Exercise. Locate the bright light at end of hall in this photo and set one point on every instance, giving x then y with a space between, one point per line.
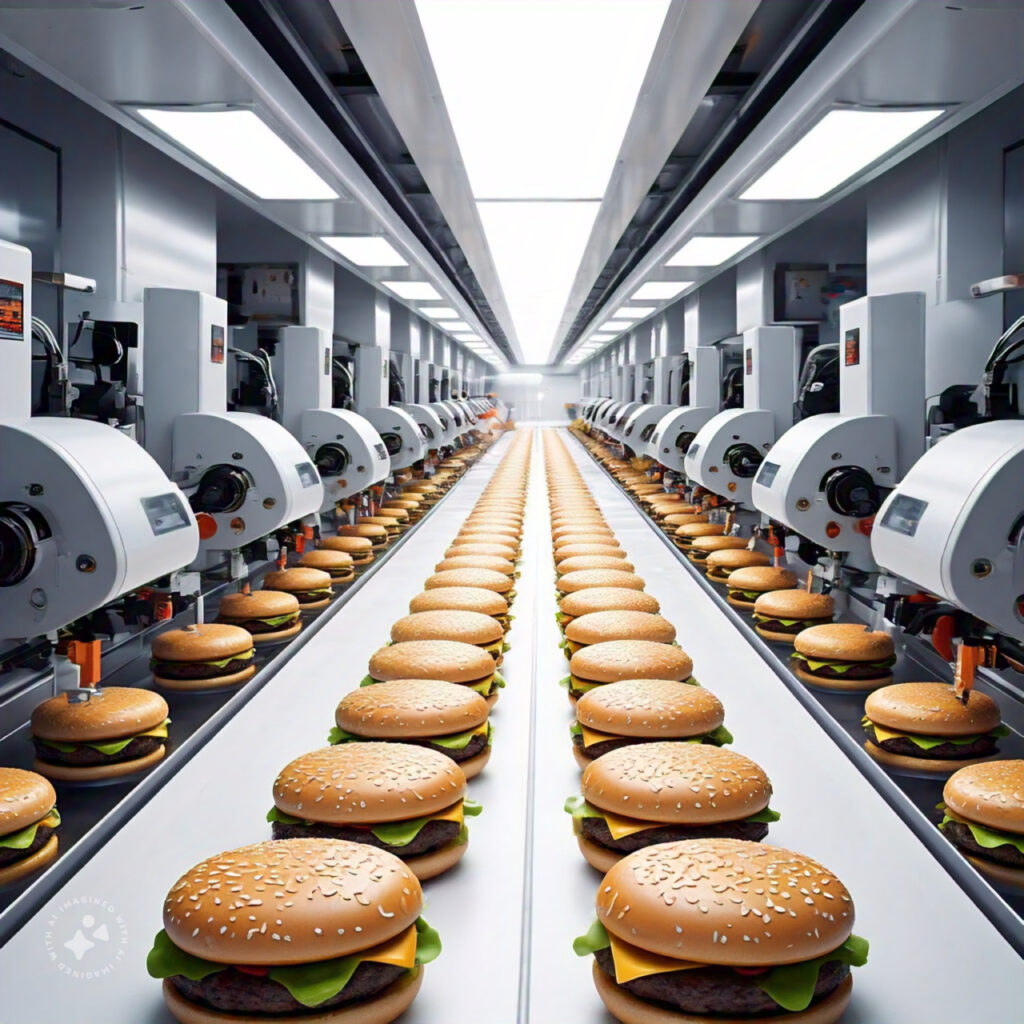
661 291
242 146
840 145
411 290
365 250
709 250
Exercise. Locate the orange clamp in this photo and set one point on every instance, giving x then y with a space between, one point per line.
86 655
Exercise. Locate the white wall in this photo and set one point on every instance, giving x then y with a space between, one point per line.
540 401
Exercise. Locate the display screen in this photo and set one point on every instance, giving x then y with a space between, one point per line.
655 437
165 512
327 362
12 311
382 452
904 514
216 344
691 452
308 475
851 347
749 357
766 477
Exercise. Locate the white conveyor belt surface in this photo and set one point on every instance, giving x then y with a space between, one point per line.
934 956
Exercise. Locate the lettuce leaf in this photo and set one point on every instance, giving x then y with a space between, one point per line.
720 736
579 809
767 816
280 620
107 747
594 939
930 742
338 735
244 656
276 814
428 942
394 833
367 680
471 808
25 837
575 729
165 960
987 838
505 647
841 667
460 740
792 985
566 683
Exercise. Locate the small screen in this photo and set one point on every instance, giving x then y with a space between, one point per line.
851 347
308 475
216 344
382 452
165 512
655 437
12 311
691 452
904 514
766 476
749 361
327 362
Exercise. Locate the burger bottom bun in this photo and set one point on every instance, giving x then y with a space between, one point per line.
627 1008
278 635
843 685
98 772
475 765
747 606
213 683
313 606
430 865
27 865
599 857
1001 873
775 638
492 700
581 758
923 765
392 1002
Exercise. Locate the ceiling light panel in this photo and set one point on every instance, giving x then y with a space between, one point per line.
553 130
440 312
365 250
661 291
839 146
633 312
242 146
412 290
454 326
710 250
617 325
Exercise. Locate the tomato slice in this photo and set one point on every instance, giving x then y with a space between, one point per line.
750 972
258 972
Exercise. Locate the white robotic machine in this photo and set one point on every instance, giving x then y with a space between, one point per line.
672 437
431 429
641 425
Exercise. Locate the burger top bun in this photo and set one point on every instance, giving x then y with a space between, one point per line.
758 577
482 548
362 530
298 580
115 712
695 530
326 559
205 641
494 562
641 902
258 604
413 708
584 578
720 543
678 519
630 659
346 544
580 562
330 897
432 659
794 604
447 624
600 599
671 781
730 559
848 641
469 599
584 548
931 709
651 707
488 579
588 536
620 624
991 794
367 783
25 798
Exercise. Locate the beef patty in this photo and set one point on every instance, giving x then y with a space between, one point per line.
856 669
597 749
198 669
901 745
84 756
962 837
776 626
432 836
9 856
256 626
471 749
596 830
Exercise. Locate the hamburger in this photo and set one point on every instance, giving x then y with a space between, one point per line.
685 535
337 564
298 929
602 543
604 599
376 535
311 587
483 548
205 656
644 711
584 579
843 656
445 717
608 662
445 624
407 504
359 549
659 958
584 548
719 564
671 522
924 727
450 660
364 792
618 624
984 818
493 562
28 824
574 526
464 599
745 585
673 790
485 579
392 527
582 562
701 547
268 616
395 512
781 614
116 731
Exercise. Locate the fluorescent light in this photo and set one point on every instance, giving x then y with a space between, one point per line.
412 289
602 336
633 312
616 325
840 145
440 312
243 147
553 133
365 250
467 336
455 326
537 249
661 290
710 250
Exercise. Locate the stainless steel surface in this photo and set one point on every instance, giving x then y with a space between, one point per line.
924 930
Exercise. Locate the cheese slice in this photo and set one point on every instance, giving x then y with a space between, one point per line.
592 736
483 687
400 951
494 650
574 646
632 962
620 827
885 734
453 813
52 820
581 686
160 731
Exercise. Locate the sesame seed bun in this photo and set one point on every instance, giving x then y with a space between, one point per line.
990 794
298 580
481 531
235 609
762 578
795 604
601 599
25 798
619 624
116 712
677 519
482 548
585 578
605 542
931 709
493 562
584 549
692 531
376 535
575 527
308 885
205 641
580 563
445 624
359 548
337 564
702 547
646 708
467 599
719 564
411 709
634 899
674 782
486 579
848 641
630 659
432 659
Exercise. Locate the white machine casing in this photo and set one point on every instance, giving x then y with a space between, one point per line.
189 431
457 414
619 418
431 429
727 450
116 522
675 431
444 416
400 434
606 417
879 428
954 525
641 425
